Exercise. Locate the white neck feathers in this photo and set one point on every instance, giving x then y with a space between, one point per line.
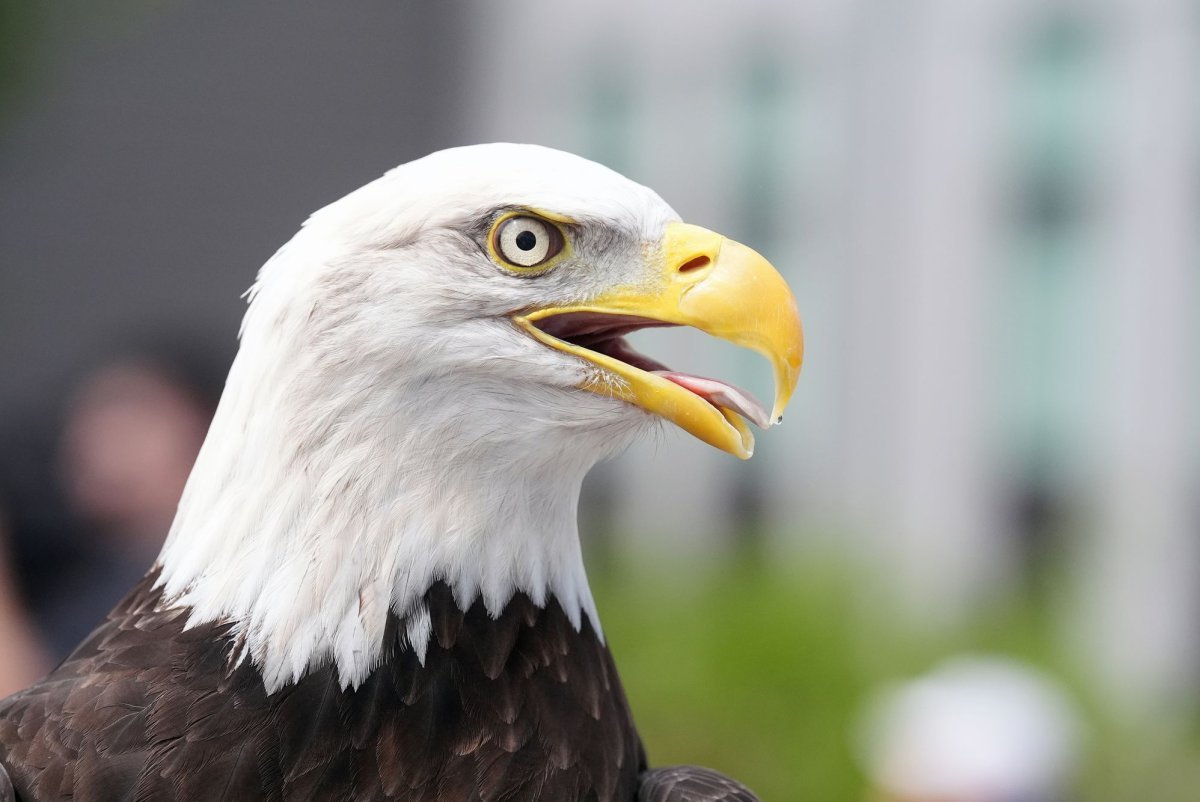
329 494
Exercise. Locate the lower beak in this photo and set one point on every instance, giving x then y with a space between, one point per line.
700 279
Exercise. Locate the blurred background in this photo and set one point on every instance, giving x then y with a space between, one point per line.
967 568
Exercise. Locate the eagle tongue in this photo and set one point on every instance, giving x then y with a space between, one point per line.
720 394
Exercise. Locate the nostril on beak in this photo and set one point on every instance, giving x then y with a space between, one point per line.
695 263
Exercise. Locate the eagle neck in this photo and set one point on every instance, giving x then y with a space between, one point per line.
310 518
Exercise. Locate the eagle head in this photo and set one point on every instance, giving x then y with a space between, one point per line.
427 370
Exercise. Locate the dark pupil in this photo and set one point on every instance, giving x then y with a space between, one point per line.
526 240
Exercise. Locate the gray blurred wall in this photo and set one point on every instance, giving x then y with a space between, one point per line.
156 154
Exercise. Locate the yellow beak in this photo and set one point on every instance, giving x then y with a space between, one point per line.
697 278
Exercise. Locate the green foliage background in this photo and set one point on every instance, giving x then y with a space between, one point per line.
762 672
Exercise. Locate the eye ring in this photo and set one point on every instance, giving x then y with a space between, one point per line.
525 242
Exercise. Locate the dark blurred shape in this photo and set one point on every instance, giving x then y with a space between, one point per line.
1041 518
131 432
129 442
21 656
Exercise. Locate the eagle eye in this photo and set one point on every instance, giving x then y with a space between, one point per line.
524 241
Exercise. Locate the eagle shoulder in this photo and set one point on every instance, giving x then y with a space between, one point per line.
517 707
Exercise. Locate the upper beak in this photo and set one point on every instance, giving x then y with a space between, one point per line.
701 279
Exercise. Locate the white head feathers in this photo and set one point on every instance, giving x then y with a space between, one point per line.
385 425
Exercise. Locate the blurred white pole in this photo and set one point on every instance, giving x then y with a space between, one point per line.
1140 607
804 514
919 480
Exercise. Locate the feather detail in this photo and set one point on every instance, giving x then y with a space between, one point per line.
6 789
691 784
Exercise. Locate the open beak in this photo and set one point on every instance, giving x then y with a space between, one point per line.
696 278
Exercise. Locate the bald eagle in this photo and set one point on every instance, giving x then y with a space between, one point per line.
373 588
